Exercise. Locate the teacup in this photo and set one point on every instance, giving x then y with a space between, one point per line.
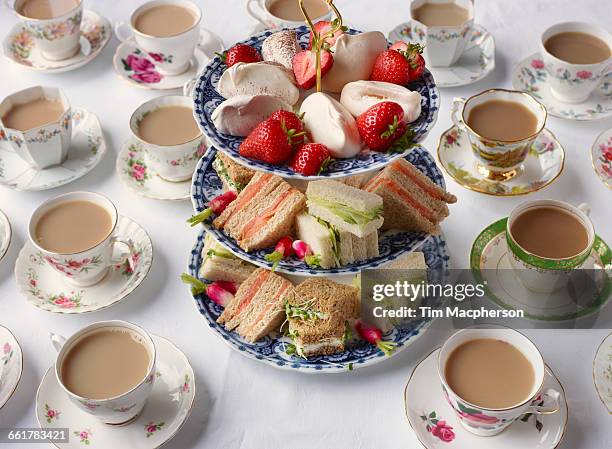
496 159
542 274
87 267
174 163
57 38
260 10
574 83
172 54
486 421
444 45
116 410
45 145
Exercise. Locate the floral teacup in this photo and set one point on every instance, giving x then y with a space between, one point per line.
269 20
86 267
444 45
174 163
120 409
486 421
573 83
45 145
57 38
172 54
496 159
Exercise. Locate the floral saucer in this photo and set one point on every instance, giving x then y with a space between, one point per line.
20 47
138 177
543 165
11 365
5 234
490 264
601 157
530 76
476 62
86 151
45 288
435 424
165 412
138 68
602 372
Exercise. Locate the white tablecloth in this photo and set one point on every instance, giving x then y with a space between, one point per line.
244 404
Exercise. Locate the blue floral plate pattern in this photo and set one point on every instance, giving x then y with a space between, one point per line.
206 185
206 99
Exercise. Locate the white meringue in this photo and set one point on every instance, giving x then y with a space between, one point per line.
239 115
329 123
281 47
359 96
258 78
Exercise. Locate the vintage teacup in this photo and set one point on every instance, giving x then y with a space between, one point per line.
120 409
485 421
542 274
444 45
172 54
89 266
174 163
496 159
57 38
574 83
45 145
260 10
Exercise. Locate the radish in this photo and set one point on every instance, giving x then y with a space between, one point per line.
373 335
220 292
217 205
301 248
282 250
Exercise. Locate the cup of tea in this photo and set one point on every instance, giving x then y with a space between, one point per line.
446 26
287 13
76 236
167 30
37 124
547 239
501 126
55 24
577 57
491 376
107 369
167 132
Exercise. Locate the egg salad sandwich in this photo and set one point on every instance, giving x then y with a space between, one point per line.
220 264
233 175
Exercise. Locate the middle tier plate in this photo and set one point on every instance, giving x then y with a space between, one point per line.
206 185
206 99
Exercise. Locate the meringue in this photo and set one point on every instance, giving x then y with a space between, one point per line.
239 115
281 47
331 124
354 57
259 78
359 96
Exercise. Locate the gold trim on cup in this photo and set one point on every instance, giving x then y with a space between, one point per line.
31 19
143 8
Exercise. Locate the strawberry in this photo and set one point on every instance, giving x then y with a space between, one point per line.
310 159
292 121
325 26
271 141
381 125
240 53
282 250
399 46
391 66
412 52
305 67
217 205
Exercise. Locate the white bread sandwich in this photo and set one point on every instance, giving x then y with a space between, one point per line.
412 202
233 175
239 115
220 264
345 207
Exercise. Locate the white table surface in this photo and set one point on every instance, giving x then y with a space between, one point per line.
245 404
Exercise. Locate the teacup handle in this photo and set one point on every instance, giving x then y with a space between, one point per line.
123 31
476 42
456 110
57 341
125 256
555 396
188 87
585 208
253 14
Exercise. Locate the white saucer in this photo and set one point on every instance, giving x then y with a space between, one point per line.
426 409
45 288
543 165
165 412
476 62
21 48
138 177
11 365
86 150
530 76
601 157
5 234
602 372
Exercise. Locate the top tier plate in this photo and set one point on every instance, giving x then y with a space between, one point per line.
206 99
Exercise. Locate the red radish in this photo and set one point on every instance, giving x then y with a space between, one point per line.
221 292
373 335
305 67
218 294
301 248
323 27
240 53
230 286
282 250
217 205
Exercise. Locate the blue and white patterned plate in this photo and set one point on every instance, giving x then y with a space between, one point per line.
358 353
206 185
206 99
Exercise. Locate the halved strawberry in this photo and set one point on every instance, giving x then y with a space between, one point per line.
324 26
381 125
305 67
310 159
271 141
240 53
